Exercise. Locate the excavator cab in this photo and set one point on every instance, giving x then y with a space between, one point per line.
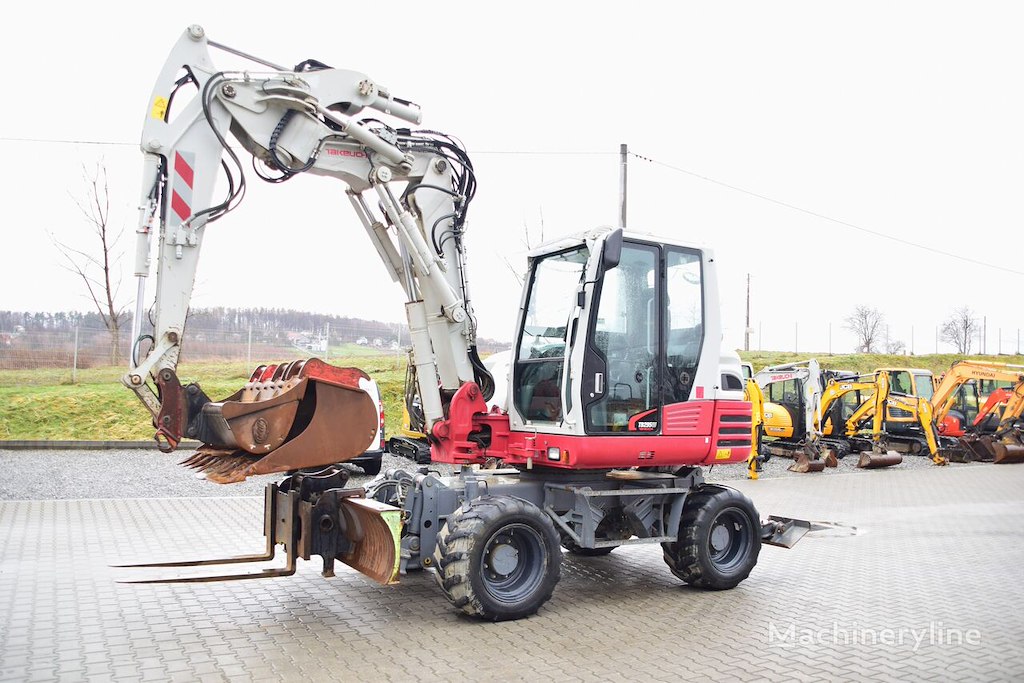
611 344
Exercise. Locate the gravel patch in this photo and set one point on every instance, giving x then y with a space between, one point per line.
148 473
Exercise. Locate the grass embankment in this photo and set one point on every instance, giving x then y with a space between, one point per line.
864 362
44 404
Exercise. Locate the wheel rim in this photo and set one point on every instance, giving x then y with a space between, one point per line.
512 562
730 539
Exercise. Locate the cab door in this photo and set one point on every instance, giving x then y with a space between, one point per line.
644 339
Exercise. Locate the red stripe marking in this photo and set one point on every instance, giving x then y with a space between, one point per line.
180 207
182 168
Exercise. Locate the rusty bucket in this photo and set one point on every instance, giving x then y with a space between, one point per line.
807 459
872 460
292 416
1007 453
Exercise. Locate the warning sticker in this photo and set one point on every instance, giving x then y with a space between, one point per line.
159 110
723 454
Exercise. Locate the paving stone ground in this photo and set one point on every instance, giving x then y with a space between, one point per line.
928 588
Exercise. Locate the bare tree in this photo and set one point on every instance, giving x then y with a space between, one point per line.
867 324
517 273
895 347
960 329
98 267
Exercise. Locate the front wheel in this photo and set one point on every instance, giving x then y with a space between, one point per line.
719 539
498 558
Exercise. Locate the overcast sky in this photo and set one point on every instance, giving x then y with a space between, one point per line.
899 119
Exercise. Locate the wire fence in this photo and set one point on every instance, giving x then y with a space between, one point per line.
56 356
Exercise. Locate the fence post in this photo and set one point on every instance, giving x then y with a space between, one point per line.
74 362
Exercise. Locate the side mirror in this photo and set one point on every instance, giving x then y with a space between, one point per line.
612 249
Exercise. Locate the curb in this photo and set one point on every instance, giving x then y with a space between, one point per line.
84 445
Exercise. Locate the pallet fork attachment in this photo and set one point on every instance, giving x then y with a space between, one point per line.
311 515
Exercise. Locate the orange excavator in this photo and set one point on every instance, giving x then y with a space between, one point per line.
973 437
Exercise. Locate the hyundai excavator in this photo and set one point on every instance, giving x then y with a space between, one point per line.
1002 444
614 400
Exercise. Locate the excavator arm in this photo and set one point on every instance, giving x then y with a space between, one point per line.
410 190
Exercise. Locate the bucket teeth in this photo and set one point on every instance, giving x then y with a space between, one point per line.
221 466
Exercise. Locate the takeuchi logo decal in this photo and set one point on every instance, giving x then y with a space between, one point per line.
346 153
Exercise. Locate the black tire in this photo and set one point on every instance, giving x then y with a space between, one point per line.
372 467
719 539
498 558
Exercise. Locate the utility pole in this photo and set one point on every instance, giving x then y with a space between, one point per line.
984 334
746 329
796 337
830 339
248 348
623 159
911 340
74 363
327 340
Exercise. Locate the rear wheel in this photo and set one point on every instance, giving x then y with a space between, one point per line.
719 539
498 558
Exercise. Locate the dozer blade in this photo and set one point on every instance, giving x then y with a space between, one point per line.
289 417
872 460
786 531
308 520
375 533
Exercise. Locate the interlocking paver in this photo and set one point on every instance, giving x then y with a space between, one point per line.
935 551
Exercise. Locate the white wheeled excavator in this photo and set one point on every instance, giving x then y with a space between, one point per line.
614 401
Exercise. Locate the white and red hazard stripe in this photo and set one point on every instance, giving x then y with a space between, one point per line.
181 184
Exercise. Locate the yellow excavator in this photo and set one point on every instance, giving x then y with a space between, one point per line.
867 427
819 416
411 442
1003 443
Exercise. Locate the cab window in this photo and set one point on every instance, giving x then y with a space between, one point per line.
925 387
542 346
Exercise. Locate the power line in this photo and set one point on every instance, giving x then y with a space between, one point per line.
641 157
508 152
837 221
54 141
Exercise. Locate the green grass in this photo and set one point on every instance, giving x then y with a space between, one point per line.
43 404
862 362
